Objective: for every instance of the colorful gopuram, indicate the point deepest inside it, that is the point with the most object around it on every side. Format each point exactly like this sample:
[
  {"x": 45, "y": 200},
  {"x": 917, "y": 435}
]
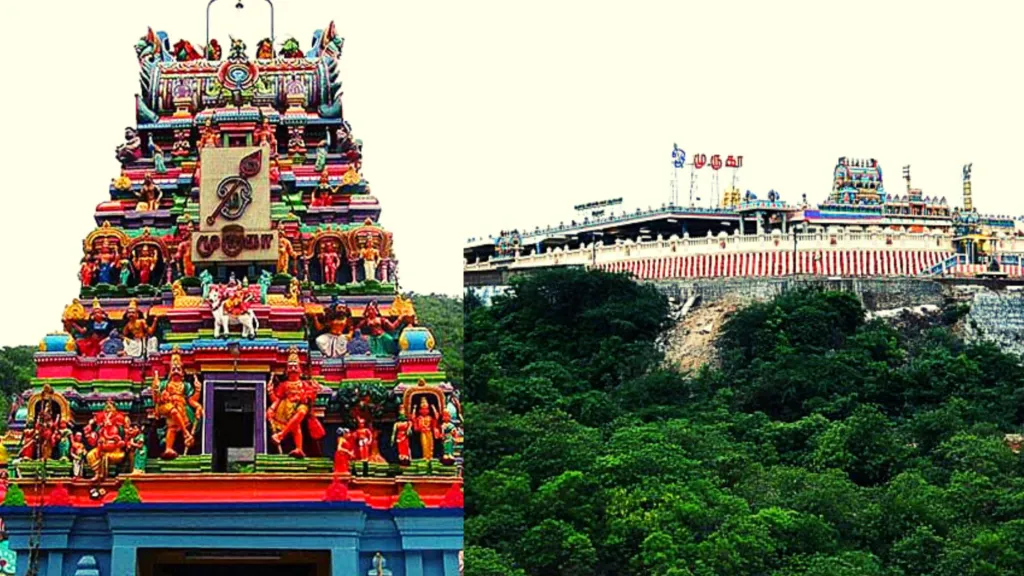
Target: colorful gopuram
[{"x": 239, "y": 385}]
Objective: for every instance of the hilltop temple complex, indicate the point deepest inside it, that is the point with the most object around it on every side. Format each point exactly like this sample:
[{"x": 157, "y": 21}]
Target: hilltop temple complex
[
  {"x": 239, "y": 385},
  {"x": 860, "y": 230}
]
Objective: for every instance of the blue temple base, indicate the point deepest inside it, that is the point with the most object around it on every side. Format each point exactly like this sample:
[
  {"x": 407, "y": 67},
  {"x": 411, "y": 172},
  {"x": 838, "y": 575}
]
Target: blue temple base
[{"x": 117, "y": 539}]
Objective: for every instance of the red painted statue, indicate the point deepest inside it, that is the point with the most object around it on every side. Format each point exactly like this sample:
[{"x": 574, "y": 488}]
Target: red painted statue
[{"x": 291, "y": 407}]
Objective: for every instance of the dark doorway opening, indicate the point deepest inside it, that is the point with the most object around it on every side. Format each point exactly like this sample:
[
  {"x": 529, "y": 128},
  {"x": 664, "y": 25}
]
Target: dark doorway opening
[
  {"x": 233, "y": 563},
  {"x": 235, "y": 570},
  {"x": 234, "y": 428}
]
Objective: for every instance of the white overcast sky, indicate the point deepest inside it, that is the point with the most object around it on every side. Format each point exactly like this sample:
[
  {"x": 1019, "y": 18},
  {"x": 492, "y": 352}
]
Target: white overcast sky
[{"x": 483, "y": 115}]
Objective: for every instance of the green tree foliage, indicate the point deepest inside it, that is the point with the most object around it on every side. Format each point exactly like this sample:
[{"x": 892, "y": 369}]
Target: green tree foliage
[
  {"x": 16, "y": 371},
  {"x": 823, "y": 444}
]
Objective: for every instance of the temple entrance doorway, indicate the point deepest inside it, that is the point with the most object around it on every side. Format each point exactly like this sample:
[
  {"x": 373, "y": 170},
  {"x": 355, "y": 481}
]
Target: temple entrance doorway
[
  {"x": 234, "y": 429},
  {"x": 233, "y": 563}
]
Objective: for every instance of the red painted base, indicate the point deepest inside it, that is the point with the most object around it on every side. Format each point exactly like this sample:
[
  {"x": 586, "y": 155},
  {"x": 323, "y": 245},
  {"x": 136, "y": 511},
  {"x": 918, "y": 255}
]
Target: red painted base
[{"x": 379, "y": 493}]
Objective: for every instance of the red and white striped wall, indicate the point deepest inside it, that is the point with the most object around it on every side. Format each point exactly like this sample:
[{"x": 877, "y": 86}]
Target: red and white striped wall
[
  {"x": 1015, "y": 271},
  {"x": 871, "y": 263}
]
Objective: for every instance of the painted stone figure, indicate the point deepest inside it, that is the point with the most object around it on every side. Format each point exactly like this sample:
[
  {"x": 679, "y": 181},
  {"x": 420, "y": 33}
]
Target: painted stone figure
[
  {"x": 358, "y": 345},
  {"x": 145, "y": 263},
  {"x": 149, "y": 194},
  {"x": 177, "y": 402},
  {"x": 137, "y": 449},
  {"x": 184, "y": 257},
  {"x": 333, "y": 343},
  {"x": 381, "y": 330},
  {"x": 330, "y": 261},
  {"x": 139, "y": 339},
  {"x": 285, "y": 253},
  {"x": 291, "y": 407},
  {"x": 426, "y": 425},
  {"x": 107, "y": 257},
  {"x": 64, "y": 435},
  {"x": 371, "y": 257},
  {"x": 449, "y": 435},
  {"x": 77, "y": 455},
  {"x": 96, "y": 328},
  {"x": 264, "y": 135},
  {"x": 400, "y": 438},
  {"x": 126, "y": 272},
  {"x": 131, "y": 149},
  {"x": 364, "y": 441},
  {"x": 112, "y": 345},
  {"x": 343, "y": 452},
  {"x": 105, "y": 434},
  {"x": 86, "y": 271}
]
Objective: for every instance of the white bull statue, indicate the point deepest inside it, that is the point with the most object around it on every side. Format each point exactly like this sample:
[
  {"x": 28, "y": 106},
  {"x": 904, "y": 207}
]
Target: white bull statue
[{"x": 222, "y": 318}]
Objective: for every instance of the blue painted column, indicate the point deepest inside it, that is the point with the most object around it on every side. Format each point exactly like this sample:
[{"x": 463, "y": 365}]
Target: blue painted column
[
  {"x": 54, "y": 563},
  {"x": 21, "y": 567},
  {"x": 122, "y": 561},
  {"x": 344, "y": 561},
  {"x": 451, "y": 563},
  {"x": 413, "y": 563}
]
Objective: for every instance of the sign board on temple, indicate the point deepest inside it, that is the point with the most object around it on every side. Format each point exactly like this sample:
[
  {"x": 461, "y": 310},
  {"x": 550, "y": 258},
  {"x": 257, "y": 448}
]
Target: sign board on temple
[{"x": 234, "y": 207}]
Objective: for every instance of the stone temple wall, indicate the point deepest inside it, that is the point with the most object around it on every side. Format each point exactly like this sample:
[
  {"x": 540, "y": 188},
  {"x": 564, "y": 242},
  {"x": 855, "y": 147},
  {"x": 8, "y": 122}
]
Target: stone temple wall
[{"x": 876, "y": 294}]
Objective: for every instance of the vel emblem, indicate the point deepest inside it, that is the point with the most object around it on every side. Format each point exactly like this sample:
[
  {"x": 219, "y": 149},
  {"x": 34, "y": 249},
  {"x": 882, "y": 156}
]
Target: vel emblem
[{"x": 235, "y": 192}]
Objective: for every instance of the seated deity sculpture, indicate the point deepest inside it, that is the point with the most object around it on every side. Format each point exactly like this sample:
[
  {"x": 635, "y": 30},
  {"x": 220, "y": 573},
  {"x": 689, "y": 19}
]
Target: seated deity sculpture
[
  {"x": 333, "y": 343},
  {"x": 139, "y": 340}
]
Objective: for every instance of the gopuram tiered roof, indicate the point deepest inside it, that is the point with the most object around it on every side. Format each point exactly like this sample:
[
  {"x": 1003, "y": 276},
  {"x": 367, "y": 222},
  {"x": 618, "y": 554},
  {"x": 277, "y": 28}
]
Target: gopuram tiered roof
[{"x": 239, "y": 342}]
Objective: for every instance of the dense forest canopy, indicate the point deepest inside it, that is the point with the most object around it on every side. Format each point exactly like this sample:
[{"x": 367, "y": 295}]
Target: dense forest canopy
[{"x": 823, "y": 444}]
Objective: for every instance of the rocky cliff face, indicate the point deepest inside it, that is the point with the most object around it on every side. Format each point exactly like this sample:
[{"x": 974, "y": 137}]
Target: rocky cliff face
[
  {"x": 976, "y": 311},
  {"x": 995, "y": 315}
]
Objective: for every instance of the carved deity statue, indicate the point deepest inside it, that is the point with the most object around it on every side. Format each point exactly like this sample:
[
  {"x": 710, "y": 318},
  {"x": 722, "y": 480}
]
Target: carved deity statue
[
  {"x": 131, "y": 149},
  {"x": 126, "y": 272},
  {"x": 285, "y": 253},
  {"x": 344, "y": 452},
  {"x": 86, "y": 271},
  {"x": 265, "y": 135},
  {"x": 400, "y": 438},
  {"x": 208, "y": 135},
  {"x": 330, "y": 261},
  {"x": 105, "y": 434},
  {"x": 78, "y": 452},
  {"x": 139, "y": 339},
  {"x": 107, "y": 255},
  {"x": 425, "y": 423},
  {"x": 364, "y": 440},
  {"x": 177, "y": 402},
  {"x": 90, "y": 335},
  {"x": 450, "y": 434},
  {"x": 149, "y": 194},
  {"x": 380, "y": 330},
  {"x": 323, "y": 194},
  {"x": 371, "y": 257},
  {"x": 336, "y": 324},
  {"x": 291, "y": 406},
  {"x": 144, "y": 262},
  {"x": 183, "y": 256},
  {"x": 138, "y": 452}
]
